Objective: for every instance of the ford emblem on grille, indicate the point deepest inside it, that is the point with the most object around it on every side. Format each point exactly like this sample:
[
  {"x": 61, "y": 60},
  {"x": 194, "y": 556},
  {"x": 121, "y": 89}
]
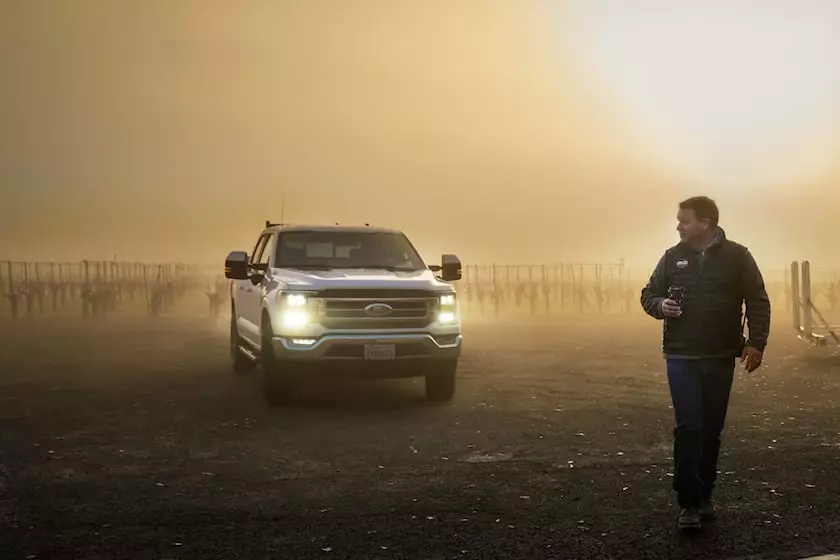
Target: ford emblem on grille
[{"x": 378, "y": 309}]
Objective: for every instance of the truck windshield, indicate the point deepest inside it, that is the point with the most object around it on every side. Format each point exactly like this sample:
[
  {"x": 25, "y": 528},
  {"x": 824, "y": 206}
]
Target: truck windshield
[{"x": 345, "y": 249}]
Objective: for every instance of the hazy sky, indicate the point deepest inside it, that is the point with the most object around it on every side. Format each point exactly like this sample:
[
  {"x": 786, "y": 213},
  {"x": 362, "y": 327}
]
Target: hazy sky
[
  {"x": 729, "y": 89},
  {"x": 508, "y": 131}
]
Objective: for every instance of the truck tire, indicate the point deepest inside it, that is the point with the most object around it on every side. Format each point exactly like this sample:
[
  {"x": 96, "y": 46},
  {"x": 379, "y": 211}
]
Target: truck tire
[
  {"x": 440, "y": 381},
  {"x": 240, "y": 362},
  {"x": 279, "y": 382}
]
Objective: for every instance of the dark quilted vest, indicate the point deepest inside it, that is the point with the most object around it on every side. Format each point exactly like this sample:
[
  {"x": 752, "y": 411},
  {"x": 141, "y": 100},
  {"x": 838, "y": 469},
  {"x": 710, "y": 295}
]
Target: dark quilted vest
[{"x": 711, "y": 321}]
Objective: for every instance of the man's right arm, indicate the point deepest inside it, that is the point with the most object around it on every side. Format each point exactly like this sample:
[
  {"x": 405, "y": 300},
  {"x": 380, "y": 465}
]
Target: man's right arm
[{"x": 656, "y": 290}]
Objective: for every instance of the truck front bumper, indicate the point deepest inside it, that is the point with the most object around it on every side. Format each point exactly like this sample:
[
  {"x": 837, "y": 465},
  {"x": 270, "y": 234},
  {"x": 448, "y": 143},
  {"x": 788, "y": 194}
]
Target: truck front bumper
[{"x": 373, "y": 348}]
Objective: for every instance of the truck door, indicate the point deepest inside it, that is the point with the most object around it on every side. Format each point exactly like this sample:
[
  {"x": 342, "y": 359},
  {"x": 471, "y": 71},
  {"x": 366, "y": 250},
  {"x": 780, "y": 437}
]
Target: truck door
[{"x": 247, "y": 297}]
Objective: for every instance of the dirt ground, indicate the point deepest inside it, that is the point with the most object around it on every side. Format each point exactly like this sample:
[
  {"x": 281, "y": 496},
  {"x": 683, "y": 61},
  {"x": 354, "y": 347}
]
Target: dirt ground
[{"x": 131, "y": 438}]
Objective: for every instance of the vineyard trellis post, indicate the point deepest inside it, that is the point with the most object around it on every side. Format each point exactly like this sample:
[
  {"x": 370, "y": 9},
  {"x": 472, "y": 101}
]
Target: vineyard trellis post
[
  {"x": 11, "y": 293},
  {"x": 546, "y": 288}
]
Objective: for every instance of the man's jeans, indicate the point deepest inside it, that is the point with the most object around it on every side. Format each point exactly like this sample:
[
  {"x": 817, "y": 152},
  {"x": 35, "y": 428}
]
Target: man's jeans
[{"x": 700, "y": 394}]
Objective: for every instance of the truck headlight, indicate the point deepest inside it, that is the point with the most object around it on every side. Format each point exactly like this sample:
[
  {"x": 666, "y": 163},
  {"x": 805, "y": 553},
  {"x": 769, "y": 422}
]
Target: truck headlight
[
  {"x": 446, "y": 317},
  {"x": 295, "y": 300},
  {"x": 295, "y": 318},
  {"x": 448, "y": 310},
  {"x": 294, "y": 310}
]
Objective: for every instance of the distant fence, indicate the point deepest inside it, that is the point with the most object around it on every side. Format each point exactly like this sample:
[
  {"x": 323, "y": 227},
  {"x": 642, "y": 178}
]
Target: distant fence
[
  {"x": 99, "y": 288},
  {"x": 825, "y": 285},
  {"x": 548, "y": 289}
]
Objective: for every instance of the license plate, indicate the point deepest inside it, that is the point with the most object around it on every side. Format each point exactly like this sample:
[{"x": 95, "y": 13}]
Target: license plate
[{"x": 380, "y": 352}]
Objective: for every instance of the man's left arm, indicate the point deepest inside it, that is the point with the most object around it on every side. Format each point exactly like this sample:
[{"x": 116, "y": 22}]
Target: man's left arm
[{"x": 757, "y": 303}]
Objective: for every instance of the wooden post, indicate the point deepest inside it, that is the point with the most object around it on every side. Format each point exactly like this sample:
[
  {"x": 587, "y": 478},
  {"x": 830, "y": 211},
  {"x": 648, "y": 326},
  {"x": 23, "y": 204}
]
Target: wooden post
[
  {"x": 12, "y": 294},
  {"x": 146, "y": 290},
  {"x": 27, "y": 289},
  {"x": 496, "y": 291},
  {"x": 86, "y": 291},
  {"x": 3, "y": 291},
  {"x": 807, "y": 298},
  {"x": 39, "y": 289}
]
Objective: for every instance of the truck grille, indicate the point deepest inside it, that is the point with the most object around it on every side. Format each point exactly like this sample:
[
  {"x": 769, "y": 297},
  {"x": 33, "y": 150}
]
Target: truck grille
[{"x": 356, "y": 309}]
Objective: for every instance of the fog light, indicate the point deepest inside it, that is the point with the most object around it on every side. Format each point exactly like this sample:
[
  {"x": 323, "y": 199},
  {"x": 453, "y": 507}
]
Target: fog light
[
  {"x": 447, "y": 340},
  {"x": 303, "y": 341}
]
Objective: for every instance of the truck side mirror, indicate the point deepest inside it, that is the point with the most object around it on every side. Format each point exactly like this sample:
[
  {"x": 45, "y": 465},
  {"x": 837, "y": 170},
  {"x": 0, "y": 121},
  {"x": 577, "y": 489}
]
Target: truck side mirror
[
  {"x": 450, "y": 268},
  {"x": 236, "y": 265}
]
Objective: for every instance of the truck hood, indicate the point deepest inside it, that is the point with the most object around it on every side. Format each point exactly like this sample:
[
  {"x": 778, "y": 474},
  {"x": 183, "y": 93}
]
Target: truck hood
[{"x": 359, "y": 278}]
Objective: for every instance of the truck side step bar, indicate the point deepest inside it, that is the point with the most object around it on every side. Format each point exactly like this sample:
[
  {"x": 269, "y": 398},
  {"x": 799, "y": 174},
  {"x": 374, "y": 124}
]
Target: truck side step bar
[{"x": 249, "y": 353}]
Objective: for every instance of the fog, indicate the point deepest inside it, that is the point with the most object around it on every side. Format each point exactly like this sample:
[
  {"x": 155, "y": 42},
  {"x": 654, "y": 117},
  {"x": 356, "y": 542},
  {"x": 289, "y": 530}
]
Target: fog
[{"x": 162, "y": 130}]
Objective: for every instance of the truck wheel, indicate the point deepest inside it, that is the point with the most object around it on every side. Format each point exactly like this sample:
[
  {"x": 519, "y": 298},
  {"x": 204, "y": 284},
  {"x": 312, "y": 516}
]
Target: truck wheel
[
  {"x": 440, "y": 381},
  {"x": 241, "y": 363},
  {"x": 279, "y": 383}
]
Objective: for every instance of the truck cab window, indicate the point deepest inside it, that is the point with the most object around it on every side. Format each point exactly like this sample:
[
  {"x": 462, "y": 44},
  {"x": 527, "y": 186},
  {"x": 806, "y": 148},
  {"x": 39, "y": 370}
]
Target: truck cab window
[{"x": 259, "y": 249}]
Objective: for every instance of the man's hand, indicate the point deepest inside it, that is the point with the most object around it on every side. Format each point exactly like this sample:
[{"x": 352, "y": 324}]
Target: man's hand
[
  {"x": 670, "y": 308},
  {"x": 751, "y": 358}
]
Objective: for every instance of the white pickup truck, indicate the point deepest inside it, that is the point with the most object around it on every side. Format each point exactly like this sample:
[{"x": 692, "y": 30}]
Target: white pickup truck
[{"x": 320, "y": 300}]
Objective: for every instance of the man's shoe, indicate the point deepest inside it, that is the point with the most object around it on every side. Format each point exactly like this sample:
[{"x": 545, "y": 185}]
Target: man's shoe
[
  {"x": 689, "y": 518},
  {"x": 707, "y": 510}
]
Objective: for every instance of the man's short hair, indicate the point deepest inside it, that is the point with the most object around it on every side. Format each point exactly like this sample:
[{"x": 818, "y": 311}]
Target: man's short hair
[{"x": 704, "y": 208}]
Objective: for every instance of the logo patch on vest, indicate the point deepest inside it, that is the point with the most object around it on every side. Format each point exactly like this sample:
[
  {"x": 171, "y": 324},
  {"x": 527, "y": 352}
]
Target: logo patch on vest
[{"x": 682, "y": 263}]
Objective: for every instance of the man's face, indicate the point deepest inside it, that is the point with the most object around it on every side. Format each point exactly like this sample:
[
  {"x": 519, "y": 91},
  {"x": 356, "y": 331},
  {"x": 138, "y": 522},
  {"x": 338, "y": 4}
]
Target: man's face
[{"x": 689, "y": 226}]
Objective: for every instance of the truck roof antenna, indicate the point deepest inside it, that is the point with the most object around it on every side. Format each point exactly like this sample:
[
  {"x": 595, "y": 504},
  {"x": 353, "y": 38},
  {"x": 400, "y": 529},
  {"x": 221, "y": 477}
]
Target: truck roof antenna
[{"x": 269, "y": 223}]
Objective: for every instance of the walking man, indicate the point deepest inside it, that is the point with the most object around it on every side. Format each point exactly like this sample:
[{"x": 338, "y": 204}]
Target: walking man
[{"x": 697, "y": 290}]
